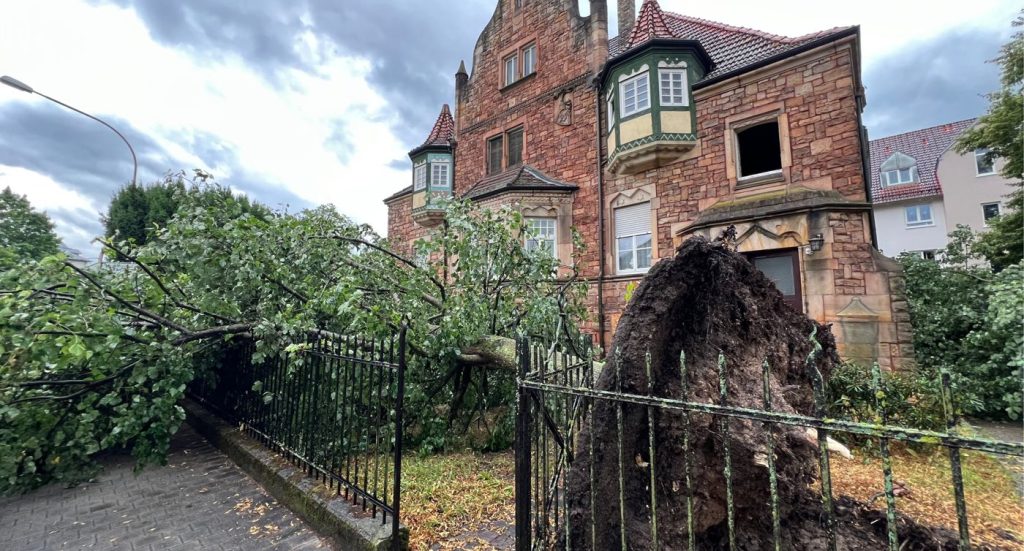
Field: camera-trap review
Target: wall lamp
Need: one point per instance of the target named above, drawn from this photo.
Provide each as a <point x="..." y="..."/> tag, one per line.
<point x="815" y="243"/>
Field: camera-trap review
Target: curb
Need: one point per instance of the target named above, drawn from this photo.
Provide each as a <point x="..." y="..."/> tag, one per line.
<point x="331" y="515"/>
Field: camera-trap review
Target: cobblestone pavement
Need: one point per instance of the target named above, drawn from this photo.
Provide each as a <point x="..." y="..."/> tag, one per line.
<point x="199" y="501"/>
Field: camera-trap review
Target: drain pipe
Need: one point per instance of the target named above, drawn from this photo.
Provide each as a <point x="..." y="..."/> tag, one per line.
<point x="600" y="215"/>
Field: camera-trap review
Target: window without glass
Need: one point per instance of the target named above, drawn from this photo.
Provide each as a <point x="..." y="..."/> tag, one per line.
<point x="673" y="87"/>
<point x="439" y="174"/>
<point x="419" y="174"/>
<point x="510" y="69"/>
<point x="541" y="233"/>
<point x="633" y="246"/>
<point x="919" y="215"/>
<point x="635" y="94"/>
<point x="515" y="146"/>
<point x="989" y="211"/>
<point x="494" y="146"/>
<point x="529" y="59"/>
<point x="983" y="162"/>
<point x="759" y="149"/>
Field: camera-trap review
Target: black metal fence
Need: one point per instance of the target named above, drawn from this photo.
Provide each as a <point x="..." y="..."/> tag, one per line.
<point x="557" y="397"/>
<point x="332" y="406"/>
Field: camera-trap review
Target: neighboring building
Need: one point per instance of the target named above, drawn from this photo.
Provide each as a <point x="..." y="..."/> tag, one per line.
<point x="74" y="256"/>
<point x="677" y="127"/>
<point x="922" y="188"/>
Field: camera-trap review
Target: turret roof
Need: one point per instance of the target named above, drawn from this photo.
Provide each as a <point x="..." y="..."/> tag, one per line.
<point x="444" y="129"/>
<point x="650" y="24"/>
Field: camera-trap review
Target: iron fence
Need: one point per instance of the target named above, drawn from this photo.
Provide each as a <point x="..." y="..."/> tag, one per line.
<point x="557" y="396"/>
<point x="333" y="406"/>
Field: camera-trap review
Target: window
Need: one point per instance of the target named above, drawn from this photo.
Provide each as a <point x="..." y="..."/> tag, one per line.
<point x="633" y="246"/>
<point x="419" y="177"/>
<point x="515" y="146"/>
<point x="759" y="149"/>
<point x="519" y="3"/>
<point x="541" y="233"/>
<point x="983" y="161"/>
<point x="510" y="69"/>
<point x="783" y="268"/>
<point x="611" y="114"/>
<point x="989" y="211"/>
<point x="439" y="174"/>
<point x="494" y="146"/>
<point x="529" y="59"/>
<point x="635" y="95"/>
<point x="927" y="255"/>
<point x="899" y="176"/>
<point x="673" y="87"/>
<point x="919" y="215"/>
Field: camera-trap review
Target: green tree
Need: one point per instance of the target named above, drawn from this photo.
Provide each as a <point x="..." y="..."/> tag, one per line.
<point x="1001" y="130"/>
<point x="24" y="233"/>
<point x="92" y="360"/>
<point x="128" y="215"/>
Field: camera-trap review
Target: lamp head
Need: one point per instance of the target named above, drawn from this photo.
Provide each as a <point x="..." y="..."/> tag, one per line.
<point x="16" y="84"/>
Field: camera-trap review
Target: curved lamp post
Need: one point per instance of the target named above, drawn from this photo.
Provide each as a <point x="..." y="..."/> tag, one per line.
<point x="19" y="85"/>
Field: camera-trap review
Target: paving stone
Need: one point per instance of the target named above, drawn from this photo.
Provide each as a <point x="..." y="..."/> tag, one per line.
<point x="199" y="501"/>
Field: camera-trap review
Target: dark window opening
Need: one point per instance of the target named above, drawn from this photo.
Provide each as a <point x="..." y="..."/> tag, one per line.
<point x="515" y="147"/>
<point x="990" y="211"/>
<point x="494" y="155"/>
<point x="759" y="149"/>
<point x="783" y="268"/>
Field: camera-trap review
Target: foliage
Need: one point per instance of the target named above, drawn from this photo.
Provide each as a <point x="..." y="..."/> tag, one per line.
<point x="1001" y="130"/>
<point x="912" y="399"/>
<point x="24" y="233"/>
<point x="969" y="320"/>
<point x="90" y="360"/>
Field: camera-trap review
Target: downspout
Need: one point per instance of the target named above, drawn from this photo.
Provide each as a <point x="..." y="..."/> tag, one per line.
<point x="600" y="214"/>
<point x="865" y="149"/>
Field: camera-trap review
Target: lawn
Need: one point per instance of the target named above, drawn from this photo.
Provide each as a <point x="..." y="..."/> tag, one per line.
<point x="459" y="500"/>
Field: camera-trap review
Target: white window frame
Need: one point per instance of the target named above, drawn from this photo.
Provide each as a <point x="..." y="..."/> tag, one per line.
<point x="530" y="54"/>
<point x="552" y="223"/>
<point x="979" y="153"/>
<point x="999" y="211"/>
<point x="894" y="177"/>
<point x="611" y="112"/>
<point x="666" y="86"/>
<point x="633" y="239"/>
<point x="440" y="174"/>
<point x="419" y="177"/>
<point x="511" y="62"/>
<point x="918" y="222"/>
<point x="632" y="85"/>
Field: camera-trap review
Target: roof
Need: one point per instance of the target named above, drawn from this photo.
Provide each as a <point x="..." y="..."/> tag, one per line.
<point x="443" y="132"/>
<point x="926" y="146"/>
<point x="792" y="199"/>
<point x="732" y="49"/>
<point x="518" y="178"/>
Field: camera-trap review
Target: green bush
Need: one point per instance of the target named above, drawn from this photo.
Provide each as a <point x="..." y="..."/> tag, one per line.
<point x="912" y="399"/>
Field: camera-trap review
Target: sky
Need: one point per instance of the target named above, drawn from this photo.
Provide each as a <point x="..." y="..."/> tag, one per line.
<point x="297" y="103"/>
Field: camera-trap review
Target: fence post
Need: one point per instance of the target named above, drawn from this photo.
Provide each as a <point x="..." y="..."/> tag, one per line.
<point x="522" y="443"/>
<point x="396" y="543"/>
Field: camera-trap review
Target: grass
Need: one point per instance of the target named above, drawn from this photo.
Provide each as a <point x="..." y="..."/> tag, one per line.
<point x="447" y="500"/>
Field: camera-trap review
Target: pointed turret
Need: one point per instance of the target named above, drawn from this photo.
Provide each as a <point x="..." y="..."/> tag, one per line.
<point x="650" y="24"/>
<point x="433" y="171"/>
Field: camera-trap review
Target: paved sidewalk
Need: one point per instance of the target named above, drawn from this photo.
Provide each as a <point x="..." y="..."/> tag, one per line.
<point x="1008" y="432"/>
<point x="199" y="501"/>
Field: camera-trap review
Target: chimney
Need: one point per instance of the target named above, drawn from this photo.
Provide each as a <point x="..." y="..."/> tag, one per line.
<point x="627" y="16"/>
<point x="598" y="34"/>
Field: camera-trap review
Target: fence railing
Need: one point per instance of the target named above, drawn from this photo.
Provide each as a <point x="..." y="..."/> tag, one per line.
<point x="557" y="398"/>
<point x="333" y="407"/>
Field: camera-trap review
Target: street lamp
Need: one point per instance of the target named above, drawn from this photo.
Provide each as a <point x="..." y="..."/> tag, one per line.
<point x="19" y="85"/>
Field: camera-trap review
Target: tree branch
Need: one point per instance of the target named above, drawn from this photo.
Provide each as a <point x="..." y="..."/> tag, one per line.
<point x="127" y="304"/>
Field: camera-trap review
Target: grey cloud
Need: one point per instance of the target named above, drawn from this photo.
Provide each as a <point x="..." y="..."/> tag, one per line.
<point x="932" y="82"/>
<point x="399" y="164"/>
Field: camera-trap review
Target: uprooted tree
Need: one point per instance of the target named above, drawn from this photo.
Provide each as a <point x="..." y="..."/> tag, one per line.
<point x="92" y="359"/>
<point x="708" y="301"/>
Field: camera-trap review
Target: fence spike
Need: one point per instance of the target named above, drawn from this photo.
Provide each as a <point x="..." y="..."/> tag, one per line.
<point x="878" y="386"/>
<point x="773" y="477"/>
<point x="622" y="482"/>
<point x="952" y="417"/>
<point x="723" y="390"/>
<point x="651" y="445"/>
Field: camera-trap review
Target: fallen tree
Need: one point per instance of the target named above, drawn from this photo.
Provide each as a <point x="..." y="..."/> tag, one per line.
<point x="708" y="301"/>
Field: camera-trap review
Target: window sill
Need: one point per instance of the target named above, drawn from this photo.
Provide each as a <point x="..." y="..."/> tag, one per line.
<point x="918" y="226"/>
<point x="521" y="80"/>
<point x="633" y="115"/>
<point x="632" y="272"/>
<point x="759" y="179"/>
<point x="984" y="174"/>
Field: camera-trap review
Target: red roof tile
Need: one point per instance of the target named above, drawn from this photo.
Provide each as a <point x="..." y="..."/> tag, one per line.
<point x="926" y="146"/>
<point x="731" y="48"/>
<point x="650" y="24"/>
<point x="521" y="177"/>
<point x="444" y="129"/>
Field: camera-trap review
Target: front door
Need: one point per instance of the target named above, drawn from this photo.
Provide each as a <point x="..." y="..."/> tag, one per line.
<point x="783" y="268"/>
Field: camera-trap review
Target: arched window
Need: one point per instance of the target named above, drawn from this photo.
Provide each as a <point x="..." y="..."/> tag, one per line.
<point x="898" y="169"/>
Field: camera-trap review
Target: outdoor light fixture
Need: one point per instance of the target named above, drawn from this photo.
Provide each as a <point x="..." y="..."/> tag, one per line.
<point x="19" y="85"/>
<point x="816" y="242"/>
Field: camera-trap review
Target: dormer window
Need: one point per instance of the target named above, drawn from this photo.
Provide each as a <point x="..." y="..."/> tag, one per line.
<point x="635" y="94"/>
<point x="674" y="87"/>
<point x="419" y="177"/>
<point x="898" y="169"/>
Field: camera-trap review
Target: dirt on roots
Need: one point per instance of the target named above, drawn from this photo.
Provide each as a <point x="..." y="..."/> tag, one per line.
<point x="705" y="301"/>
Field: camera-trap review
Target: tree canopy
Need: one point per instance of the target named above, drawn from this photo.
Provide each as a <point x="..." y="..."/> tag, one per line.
<point x="24" y="233"/>
<point x="95" y="359"/>
<point x="1001" y="131"/>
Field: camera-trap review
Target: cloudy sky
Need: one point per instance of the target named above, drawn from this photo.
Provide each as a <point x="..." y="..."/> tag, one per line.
<point x="302" y="102"/>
